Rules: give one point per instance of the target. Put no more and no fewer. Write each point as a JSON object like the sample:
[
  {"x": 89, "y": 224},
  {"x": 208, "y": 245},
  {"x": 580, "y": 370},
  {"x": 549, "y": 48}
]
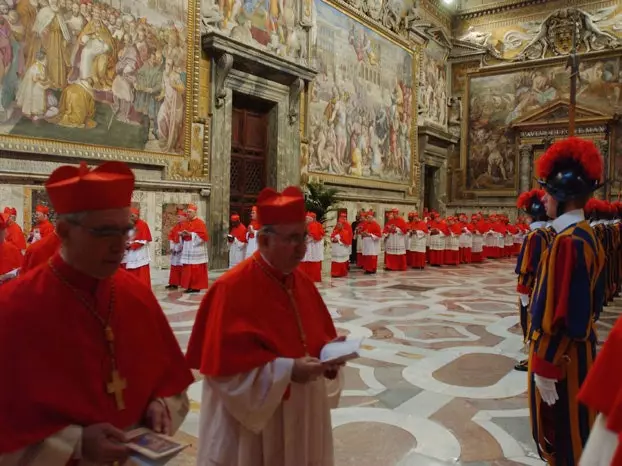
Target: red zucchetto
[
  {"x": 43, "y": 209},
  {"x": 274, "y": 208},
  {"x": 78, "y": 189}
]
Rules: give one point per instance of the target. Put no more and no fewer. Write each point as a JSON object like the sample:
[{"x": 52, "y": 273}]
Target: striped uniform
[
  {"x": 566, "y": 299},
  {"x": 534, "y": 244}
]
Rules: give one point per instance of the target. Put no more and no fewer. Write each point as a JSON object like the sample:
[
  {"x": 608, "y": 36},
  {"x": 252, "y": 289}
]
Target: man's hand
[
  {"x": 157, "y": 418},
  {"x": 104, "y": 444},
  {"x": 306, "y": 369}
]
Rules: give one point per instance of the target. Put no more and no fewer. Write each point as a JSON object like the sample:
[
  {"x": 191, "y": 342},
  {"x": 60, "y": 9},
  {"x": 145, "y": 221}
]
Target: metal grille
[
  {"x": 237, "y": 172},
  {"x": 254, "y": 176}
]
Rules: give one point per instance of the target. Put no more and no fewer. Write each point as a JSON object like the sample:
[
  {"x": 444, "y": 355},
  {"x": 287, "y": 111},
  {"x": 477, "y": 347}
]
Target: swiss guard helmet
[
  {"x": 570, "y": 169},
  {"x": 531, "y": 203}
]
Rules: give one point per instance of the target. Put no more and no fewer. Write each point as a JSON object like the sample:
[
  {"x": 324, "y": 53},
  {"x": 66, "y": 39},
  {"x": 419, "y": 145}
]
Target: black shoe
[
  {"x": 171, "y": 287},
  {"x": 522, "y": 366}
]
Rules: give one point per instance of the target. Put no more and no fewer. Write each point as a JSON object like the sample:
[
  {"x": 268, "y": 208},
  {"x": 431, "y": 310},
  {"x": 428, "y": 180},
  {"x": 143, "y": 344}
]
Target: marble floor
[{"x": 435, "y": 383}]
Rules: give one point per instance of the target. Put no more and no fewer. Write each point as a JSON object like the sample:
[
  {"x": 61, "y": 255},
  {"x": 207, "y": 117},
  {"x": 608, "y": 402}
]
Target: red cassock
[
  {"x": 602, "y": 389},
  {"x": 498, "y": 252},
  {"x": 231, "y": 337},
  {"x": 370, "y": 262},
  {"x": 59, "y": 341},
  {"x": 395, "y": 261},
  {"x": 437, "y": 257},
  {"x": 45, "y": 228},
  {"x": 340, "y": 269},
  {"x": 15, "y": 236},
  {"x": 416, "y": 259},
  {"x": 313, "y": 269},
  {"x": 194, "y": 276},
  {"x": 466, "y": 253},
  {"x": 452, "y": 256},
  {"x": 40, "y": 252},
  {"x": 10, "y": 258},
  {"x": 142, "y": 233},
  {"x": 359, "y": 255},
  {"x": 174, "y": 276}
]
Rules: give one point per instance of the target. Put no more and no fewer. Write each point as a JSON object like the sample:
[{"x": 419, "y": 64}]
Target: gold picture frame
[
  {"x": 70, "y": 149},
  {"x": 498, "y": 70},
  {"x": 411, "y": 186}
]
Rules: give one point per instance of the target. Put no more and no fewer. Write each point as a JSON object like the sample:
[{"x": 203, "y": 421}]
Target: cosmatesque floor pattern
[{"x": 435, "y": 384}]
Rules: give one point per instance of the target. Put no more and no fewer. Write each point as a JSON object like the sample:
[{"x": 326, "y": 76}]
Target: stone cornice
[{"x": 498, "y": 7}]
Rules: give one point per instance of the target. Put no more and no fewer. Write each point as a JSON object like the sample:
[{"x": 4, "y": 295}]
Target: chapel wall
[{"x": 508, "y": 74}]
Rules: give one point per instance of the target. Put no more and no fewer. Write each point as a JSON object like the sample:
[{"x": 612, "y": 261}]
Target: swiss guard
[
  {"x": 534, "y": 245},
  {"x": 565, "y": 300}
]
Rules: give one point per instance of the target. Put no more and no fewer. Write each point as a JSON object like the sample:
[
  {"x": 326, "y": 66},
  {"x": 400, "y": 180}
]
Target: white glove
[
  {"x": 601, "y": 445},
  {"x": 524, "y": 299},
  {"x": 547, "y": 389}
]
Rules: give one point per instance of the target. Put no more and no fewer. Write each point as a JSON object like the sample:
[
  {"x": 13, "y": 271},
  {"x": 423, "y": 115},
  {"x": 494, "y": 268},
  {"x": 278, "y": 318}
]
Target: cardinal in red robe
[
  {"x": 14, "y": 233},
  {"x": 311, "y": 263},
  {"x": 341, "y": 240},
  {"x": 10, "y": 257},
  {"x": 137, "y": 257},
  {"x": 43, "y": 227},
  {"x": 194, "y": 257},
  {"x": 237, "y": 241},
  {"x": 371, "y": 244},
  {"x": 261, "y": 358},
  {"x": 175, "y": 246},
  {"x": 438, "y": 234},
  {"x": 418, "y": 232},
  {"x": 100, "y": 340}
]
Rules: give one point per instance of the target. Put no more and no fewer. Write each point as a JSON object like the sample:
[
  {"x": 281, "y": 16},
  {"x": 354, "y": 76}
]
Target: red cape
[
  {"x": 10, "y": 258},
  {"x": 39, "y": 252},
  {"x": 45, "y": 228},
  {"x": 239, "y": 233},
  {"x": 197, "y": 226},
  {"x": 15, "y": 236},
  {"x": 315, "y": 230},
  {"x": 143, "y": 233},
  {"x": 59, "y": 342},
  {"x": 372, "y": 228},
  {"x": 232, "y": 334},
  {"x": 344, "y": 234}
]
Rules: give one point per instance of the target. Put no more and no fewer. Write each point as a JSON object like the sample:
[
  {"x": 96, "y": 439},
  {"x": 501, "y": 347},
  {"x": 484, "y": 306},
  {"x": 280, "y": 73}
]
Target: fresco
[
  {"x": 432, "y": 100},
  {"x": 495, "y": 101},
  {"x": 169, "y": 219},
  {"x": 268, "y": 24},
  {"x": 110, "y": 74},
  {"x": 360, "y": 109}
]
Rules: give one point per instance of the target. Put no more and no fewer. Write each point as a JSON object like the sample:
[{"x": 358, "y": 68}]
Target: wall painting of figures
[
  {"x": 360, "y": 109},
  {"x": 432, "y": 102},
  {"x": 108, "y": 74},
  {"x": 495, "y": 101}
]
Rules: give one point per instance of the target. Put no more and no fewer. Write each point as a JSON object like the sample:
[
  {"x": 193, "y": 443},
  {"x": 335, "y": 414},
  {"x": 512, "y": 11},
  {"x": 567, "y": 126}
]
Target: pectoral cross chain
[{"x": 115, "y": 387}]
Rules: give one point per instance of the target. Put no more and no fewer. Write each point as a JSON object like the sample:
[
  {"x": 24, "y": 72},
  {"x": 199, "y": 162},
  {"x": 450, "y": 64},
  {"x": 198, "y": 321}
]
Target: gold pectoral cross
[{"x": 115, "y": 387}]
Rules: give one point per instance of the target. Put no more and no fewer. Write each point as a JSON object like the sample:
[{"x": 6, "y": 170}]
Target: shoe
[
  {"x": 522, "y": 366},
  {"x": 171, "y": 287}
]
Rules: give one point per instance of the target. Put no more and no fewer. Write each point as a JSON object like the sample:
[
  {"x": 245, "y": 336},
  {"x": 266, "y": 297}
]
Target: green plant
[{"x": 320, "y": 199}]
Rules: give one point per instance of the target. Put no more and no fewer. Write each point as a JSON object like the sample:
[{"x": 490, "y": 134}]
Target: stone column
[
  {"x": 441, "y": 187},
  {"x": 525, "y": 153},
  {"x": 603, "y": 147}
]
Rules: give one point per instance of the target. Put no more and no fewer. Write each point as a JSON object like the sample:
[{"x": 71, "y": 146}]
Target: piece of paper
[
  {"x": 153, "y": 446},
  {"x": 341, "y": 351}
]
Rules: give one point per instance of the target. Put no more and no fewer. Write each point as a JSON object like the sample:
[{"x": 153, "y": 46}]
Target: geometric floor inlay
[{"x": 435, "y": 383}]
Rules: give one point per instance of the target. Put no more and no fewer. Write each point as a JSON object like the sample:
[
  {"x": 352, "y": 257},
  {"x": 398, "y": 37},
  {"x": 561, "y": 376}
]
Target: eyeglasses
[{"x": 106, "y": 232}]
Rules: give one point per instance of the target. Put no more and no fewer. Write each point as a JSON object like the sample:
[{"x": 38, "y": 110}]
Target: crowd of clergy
[
  {"x": 91, "y": 354},
  {"x": 414, "y": 243},
  {"x": 188, "y": 241}
]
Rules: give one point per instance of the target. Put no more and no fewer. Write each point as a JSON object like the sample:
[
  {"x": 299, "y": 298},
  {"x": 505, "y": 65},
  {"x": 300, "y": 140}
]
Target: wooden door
[{"x": 249, "y": 144}]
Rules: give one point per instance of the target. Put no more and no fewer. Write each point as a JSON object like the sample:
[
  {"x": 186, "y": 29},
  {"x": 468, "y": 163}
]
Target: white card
[{"x": 341, "y": 351}]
